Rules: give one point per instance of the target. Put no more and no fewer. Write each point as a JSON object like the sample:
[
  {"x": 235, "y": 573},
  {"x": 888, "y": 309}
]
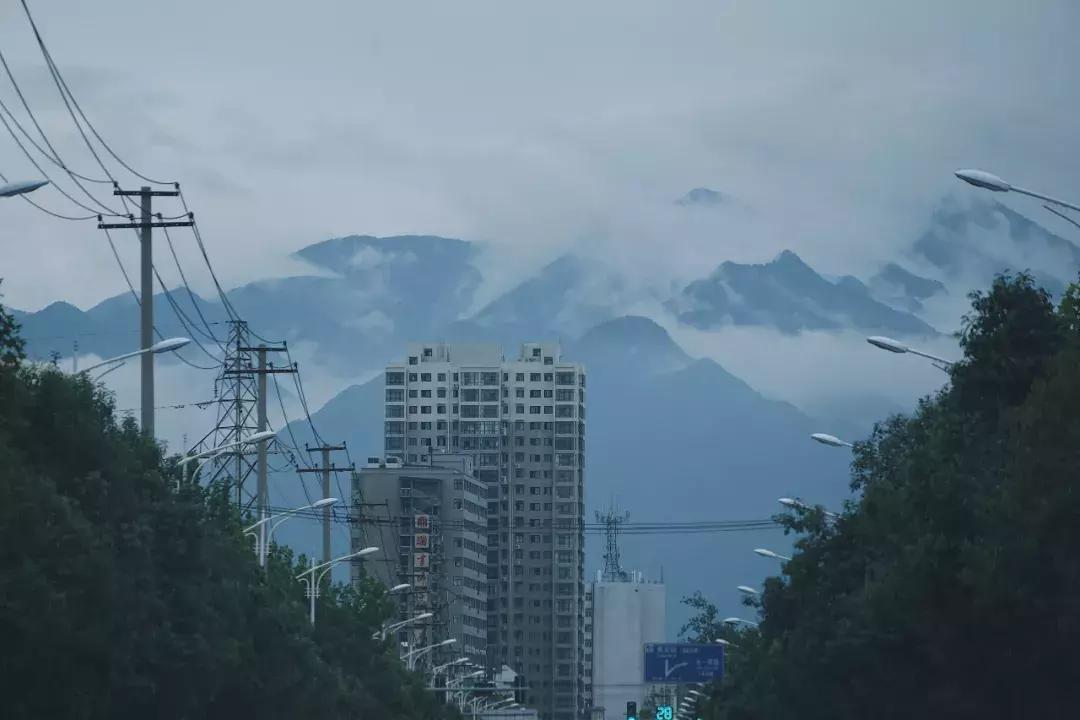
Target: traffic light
[{"x": 631, "y": 711}]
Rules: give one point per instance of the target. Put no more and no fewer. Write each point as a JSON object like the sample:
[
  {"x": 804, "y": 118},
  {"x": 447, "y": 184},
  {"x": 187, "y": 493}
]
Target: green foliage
[
  {"x": 126, "y": 593},
  {"x": 948, "y": 588}
]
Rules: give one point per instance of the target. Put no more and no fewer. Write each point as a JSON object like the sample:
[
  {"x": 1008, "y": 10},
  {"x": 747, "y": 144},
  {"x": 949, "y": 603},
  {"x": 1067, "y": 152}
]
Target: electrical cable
[
  {"x": 191, "y": 296},
  {"x": 58, "y": 160},
  {"x": 59, "y": 78},
  {"x": 50, "y": 212},
  {"x": 37, "y": 166},
  {"x": 303, "y": 398},
  {"x": 285, "y": 420},
  {"x": 229, "y": 310},
  {"x": 54, "y": 159},
  {"x": 185, "y": 321},
  {"x": 138, "y": 303}
]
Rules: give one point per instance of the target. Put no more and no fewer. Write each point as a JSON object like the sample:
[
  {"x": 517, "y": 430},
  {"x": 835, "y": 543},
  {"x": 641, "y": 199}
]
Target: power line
[
  {"x": 185, "y": 321},
  {"x": 41, "y": 170},
  {"x": 59, "y": 78},
  {"x": 191, "y": 296},
  {"x": 138, "y": 302}
]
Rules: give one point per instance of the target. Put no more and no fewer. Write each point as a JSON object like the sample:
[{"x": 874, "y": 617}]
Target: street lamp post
[
  {"x": 738, "y": 621},
  {"x": 12, "y": 189},
  {"x": 214, "y": 453},
  {"x": 412, "y": 656},
  {"x": 830, "y": 440},
  {"x": 990, "y": 181},
  {"x": 770, "y": 554},
  {"x": 266, "y": 529},
  {"x": 387, "y": 629},
  {"x": 168, "y": 345},
  {"x": 747, "y": 590},
  {"x": 313, "y": 579},
  {"x": 895, "y": 346},
  {"x": 800, "y": 505}
]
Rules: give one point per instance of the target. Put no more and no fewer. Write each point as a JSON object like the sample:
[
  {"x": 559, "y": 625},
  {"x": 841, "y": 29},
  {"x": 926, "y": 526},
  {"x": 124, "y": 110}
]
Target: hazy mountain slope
[{"x": 788, "y": 294}]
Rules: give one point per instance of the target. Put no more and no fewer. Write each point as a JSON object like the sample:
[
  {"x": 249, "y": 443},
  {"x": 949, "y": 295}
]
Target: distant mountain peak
[
  {"x": 701, "y": 197},
  {"x": 361, "y": 253},
  {"x": 632, "y": 339},
  {"x": 789, "y": 295},
  {"x": 973, "y": 238}
]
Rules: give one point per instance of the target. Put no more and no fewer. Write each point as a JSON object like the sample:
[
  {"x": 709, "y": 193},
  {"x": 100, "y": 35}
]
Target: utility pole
[
  {"x": 262, "y": 492},
  {"x": 145, "y": 227},
  {"x": 326, "y": 468}
]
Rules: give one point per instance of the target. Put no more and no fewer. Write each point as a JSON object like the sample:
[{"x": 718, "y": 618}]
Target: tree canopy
[
  {"x": 949, "y": 586},
  {"x": 127, "y": 593}
]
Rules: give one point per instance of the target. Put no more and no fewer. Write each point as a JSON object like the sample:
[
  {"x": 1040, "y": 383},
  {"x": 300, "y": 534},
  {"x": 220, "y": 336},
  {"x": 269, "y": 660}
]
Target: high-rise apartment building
[
  {"x": 435, "y": 515},
  {"x": 523, "y": 422}
]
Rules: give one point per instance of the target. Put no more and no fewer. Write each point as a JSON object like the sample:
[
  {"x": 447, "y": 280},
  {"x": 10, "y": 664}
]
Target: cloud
[{"x": 838, "y": 122}]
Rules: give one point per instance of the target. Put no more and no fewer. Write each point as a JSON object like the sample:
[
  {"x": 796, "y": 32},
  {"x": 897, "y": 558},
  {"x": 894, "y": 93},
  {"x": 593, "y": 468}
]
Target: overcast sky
[{"x": 535, "y": 127}]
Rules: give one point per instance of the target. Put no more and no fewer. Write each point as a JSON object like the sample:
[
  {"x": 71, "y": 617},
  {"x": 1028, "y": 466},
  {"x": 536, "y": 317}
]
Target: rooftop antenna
[{"x": 611, "y": 520}]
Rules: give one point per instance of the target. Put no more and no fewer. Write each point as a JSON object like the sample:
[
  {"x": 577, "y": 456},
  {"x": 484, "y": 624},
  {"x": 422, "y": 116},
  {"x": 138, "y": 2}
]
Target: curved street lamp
[
  {"x": 167, "y": 345},
  {"x": 747, "y": 590},
  {"x": 737, "y": 621},
  {"x": 895, "y": 346},
  {"x": 266, "y": 530},
  {"x": 412, "y": 656},
  {"x": 381, "y": 634},
  {"x": 313, "y": 579},
  {"x": 800, "y": 505},
  {"x": 12, "y": 189},
  {"x": 990, "y": 181},
  {"x": 830, "y": 440},
  {"x": 771, "y": 555}
]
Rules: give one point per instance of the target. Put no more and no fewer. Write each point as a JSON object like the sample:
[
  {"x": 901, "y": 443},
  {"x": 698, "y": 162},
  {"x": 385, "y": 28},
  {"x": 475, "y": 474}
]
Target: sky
[
  {"x": 537, "y": 127},
  {"x": 832, "y": 128}
]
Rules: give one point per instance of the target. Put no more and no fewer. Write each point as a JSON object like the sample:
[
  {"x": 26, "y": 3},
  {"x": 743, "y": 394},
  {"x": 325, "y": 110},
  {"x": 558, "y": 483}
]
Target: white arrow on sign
[{"x": 673, "y": 668}]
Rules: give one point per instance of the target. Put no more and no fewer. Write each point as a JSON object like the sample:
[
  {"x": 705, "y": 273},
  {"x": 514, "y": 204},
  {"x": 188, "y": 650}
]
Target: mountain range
[{"x": 670, "y": 436}]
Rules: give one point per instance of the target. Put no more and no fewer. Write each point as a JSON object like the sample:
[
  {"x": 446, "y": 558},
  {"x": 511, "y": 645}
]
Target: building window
[
  {"x": 425, "y": 377},
  {"x": 440, "y": 392},
  {"x": 395, "y": 411},
  {"x": 548, "y": 409},
  {"x": 534, "y": 377},
  {"x": 413, "y": 359},
  {"x": 519, "y": 409},
  {"x": 425, "y": 393},
  {"x": 519, "y": 377},
  {"x": 440, "y": 409},
  {"x": 412, "y": 377},
  {"x": 534, "y": 409},
  {"x": 395, "y": 378}
]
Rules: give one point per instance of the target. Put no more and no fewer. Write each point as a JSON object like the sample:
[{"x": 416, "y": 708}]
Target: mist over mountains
[{"x": 669, "y": 436}]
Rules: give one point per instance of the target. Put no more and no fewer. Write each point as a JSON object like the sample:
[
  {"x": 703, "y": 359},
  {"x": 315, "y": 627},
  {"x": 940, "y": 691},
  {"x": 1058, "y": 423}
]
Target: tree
[
  {"x": 129, "y": 593},
  {"x": 948, "y": 586}
]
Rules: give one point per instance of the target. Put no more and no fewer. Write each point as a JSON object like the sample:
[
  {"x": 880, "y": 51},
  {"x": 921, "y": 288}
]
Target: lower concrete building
[
  {"x": 626, "y": 613},
  {"x": 431, "y": 518}
]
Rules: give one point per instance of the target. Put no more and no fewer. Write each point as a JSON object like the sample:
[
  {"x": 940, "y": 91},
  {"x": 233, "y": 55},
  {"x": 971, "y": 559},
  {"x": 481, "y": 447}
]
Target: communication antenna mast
[{"x": 611, "y": 520}]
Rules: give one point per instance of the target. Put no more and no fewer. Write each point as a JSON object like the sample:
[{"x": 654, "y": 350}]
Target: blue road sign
[{"x": 683, "y": 662}]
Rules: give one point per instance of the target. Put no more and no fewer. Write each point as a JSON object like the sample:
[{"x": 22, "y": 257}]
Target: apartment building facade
[
  {"x": 523, "y": 423},
  {"x": 435, "y": 513}
]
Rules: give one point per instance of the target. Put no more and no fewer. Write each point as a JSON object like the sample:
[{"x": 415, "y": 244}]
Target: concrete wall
[{"x": 626, "y": 615}]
